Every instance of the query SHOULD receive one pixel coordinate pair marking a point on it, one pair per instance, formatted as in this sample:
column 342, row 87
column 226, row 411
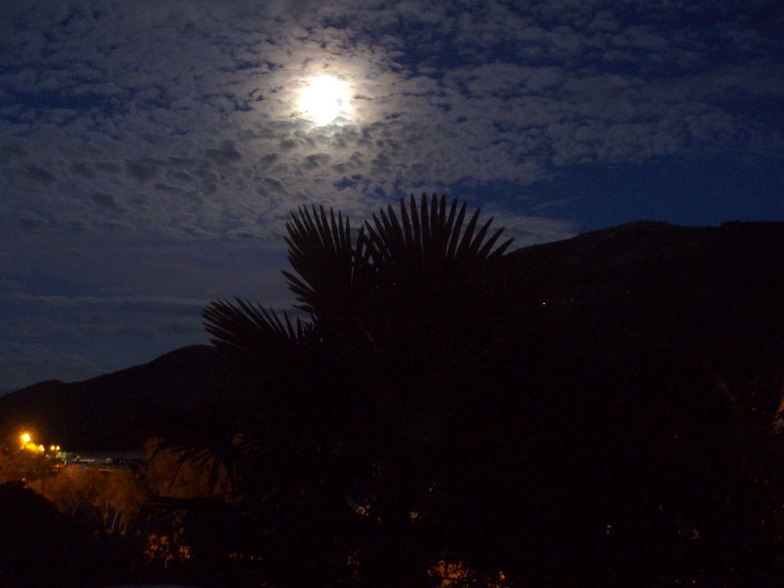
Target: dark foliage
column 440, row 405
column 357, row 419
column 593, row 412
column 431, row 411
column 39, row 547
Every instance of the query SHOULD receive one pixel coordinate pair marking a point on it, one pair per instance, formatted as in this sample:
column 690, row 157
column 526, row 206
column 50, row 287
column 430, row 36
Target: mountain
column 117, row 410
column 642, row 305
column 708, row 295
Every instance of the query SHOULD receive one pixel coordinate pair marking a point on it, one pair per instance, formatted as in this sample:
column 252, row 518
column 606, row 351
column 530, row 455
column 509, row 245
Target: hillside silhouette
column 716, row 290
column 117, row 410
column 600, row 409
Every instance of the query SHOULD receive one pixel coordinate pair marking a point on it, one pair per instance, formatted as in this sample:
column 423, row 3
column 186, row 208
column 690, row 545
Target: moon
column 325, row 99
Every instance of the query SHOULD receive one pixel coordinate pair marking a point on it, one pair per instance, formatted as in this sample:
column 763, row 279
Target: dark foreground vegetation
column 596, row 412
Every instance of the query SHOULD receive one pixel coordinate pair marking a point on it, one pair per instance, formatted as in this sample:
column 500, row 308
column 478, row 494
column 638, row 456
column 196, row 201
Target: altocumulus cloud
column 150, row 153
column 195, row 106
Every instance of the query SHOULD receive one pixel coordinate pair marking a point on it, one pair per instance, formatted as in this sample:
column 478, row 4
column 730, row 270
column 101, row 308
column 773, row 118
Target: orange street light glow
column 27, row 443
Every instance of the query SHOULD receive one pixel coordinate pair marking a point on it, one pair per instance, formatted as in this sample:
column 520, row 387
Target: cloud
column 160, row 305
column 531, row 230
column 37, row 173
column 82, row 169
column 29, row 221
column 144, row 169
column 10, row 152
column 497, row 92
column 641, row 37
column 53, row 336
column 104, row 199
column 153, row 152
column 20, row 362
column 163, row 145
column 226, row 154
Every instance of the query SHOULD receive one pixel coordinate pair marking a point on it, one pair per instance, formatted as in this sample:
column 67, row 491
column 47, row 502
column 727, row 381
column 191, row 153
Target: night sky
column 151, row 152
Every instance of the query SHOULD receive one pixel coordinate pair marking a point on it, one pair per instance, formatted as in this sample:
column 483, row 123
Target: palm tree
column 386, row 432
column 356, row 414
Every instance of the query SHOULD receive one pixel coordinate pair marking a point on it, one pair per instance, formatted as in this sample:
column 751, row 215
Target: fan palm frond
column 253, row 336
column 431, row 259
column 431, row 236
column 217, row 445
column 325, row 262
column 275, row 357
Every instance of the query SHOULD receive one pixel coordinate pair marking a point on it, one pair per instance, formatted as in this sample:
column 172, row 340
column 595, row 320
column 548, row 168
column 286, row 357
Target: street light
column 27, row 443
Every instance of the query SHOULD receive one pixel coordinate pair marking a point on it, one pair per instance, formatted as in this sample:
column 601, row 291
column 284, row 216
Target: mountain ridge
column 713, row 292
column 108, row 411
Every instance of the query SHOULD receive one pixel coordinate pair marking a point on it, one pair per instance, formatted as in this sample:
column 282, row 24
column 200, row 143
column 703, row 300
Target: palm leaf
column 434, row 305
column 323, row 258
column 254, row 337
column 219, row 444
column 428, row 237
column 430, row 249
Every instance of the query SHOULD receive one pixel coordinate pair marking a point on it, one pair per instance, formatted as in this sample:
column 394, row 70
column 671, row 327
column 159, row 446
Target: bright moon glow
column 325, row 99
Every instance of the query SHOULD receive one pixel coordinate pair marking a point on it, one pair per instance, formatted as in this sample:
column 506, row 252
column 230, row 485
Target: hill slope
column 712, row 296
column 116, row 410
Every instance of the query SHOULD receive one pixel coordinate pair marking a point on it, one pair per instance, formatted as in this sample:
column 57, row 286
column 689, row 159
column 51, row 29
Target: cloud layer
column 144, row 144
column 182, row 117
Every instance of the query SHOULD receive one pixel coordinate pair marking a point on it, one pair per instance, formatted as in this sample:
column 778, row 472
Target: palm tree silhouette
column 354, row 415
column 430, row 409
